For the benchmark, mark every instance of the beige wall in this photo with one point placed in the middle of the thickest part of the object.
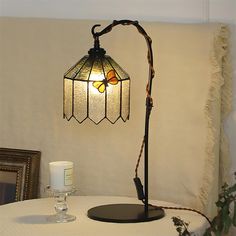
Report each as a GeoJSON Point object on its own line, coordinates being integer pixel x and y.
{"type": "Point", "coordinates": [35, 53]}
{"type": "Point", "coordinates": [149, 10]}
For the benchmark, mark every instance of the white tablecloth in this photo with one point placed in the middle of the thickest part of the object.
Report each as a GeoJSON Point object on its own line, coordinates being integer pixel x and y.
{"type": "Point", "coordinates": [28, 218]}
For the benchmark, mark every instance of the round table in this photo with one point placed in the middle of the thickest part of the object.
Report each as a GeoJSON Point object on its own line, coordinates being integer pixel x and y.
{"type": "Point", "coordinates": [29, 218]}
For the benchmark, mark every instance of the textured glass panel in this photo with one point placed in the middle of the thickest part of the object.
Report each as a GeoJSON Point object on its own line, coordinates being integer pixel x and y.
{"type": "Point", "coordinates": [74, 70]}
{"type": "Point", "coordinates": [97, 73]}
{"type": "Point", "coordinates": [125, 99]}
{"type": "Point", "coordinates": [113, 102]}
{"type": "Point", "coordinates": [96, 104]}
{"type": "Point", "coordinates": [80, 100]}
{"type": "Point", "coordinates": [85, 70]}
{"type": "Point", "coordinates": [107, 67]}
{"type": "Point", "coordinates": [68, 98]}
{"type": "Point", "coordinates": [121, 73]}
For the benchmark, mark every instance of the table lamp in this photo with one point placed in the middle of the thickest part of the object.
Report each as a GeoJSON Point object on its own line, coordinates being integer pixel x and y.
{"type": "Point", "coordinates": [97, 88]}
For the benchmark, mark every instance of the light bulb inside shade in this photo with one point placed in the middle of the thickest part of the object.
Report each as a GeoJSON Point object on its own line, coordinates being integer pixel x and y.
{"type": "Point", "coordinates": [95, 76]}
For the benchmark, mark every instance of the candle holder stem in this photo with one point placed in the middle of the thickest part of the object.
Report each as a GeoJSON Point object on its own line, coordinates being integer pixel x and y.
{"type": "Point", "coordinates": [61, 208]}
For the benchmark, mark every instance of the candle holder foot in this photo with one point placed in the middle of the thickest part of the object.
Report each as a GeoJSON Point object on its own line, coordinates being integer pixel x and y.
{"type": "Point", "coordinates": [61, 208]}
{"type": "Point", "coordinates": [58, 219]}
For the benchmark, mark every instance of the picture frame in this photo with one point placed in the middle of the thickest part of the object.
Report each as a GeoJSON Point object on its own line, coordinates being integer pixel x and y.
{"type": "Point", "coordinates": [19, 174]}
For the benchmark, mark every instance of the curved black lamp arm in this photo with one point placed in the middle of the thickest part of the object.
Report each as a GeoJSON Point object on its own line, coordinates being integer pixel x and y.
{"type": "Point", "coordinates": [149, 102]}
{"type": "Point", "coordinates": [141, 30]}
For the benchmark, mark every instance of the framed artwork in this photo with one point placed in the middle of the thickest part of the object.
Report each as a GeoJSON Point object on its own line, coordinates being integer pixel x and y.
{"type": "Point", "coordinates": [19, 174]}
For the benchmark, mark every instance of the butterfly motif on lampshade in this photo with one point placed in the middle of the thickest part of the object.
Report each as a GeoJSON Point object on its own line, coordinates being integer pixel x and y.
{"type": "Point", "coordinates": [110, 79]}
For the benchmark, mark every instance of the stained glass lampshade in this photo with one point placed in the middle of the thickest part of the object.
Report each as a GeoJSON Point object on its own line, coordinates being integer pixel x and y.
{"type": "Point", "coordinates": [97, 88]}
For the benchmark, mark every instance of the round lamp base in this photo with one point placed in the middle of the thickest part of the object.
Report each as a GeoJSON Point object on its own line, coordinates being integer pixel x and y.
{"type": "Point", "coordinates": [125, 213]}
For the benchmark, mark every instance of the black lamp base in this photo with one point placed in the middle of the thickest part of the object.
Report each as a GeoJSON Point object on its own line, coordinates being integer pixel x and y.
{"type": "Point", "coordinates": [125, 213]}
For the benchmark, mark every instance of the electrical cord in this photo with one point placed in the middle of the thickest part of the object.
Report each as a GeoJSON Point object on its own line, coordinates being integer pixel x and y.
{"type": "Point", "coordinates": [139, 158]}
{"type": "Point", "coordinates": [141, 196]}
{"type": "Point", "coordinates": [182, 209]}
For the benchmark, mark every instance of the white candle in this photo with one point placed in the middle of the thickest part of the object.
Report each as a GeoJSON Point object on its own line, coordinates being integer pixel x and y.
{"type": "Point", "coordinates": [61, 175]}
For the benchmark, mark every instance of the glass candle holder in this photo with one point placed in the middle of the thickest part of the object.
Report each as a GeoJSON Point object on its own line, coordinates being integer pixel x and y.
{"type": "Point", "coordinates": [61, 206]}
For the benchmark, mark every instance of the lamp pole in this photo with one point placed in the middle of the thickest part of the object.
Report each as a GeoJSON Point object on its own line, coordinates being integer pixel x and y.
{"type": "Point", "coordinates": [149, 102]}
